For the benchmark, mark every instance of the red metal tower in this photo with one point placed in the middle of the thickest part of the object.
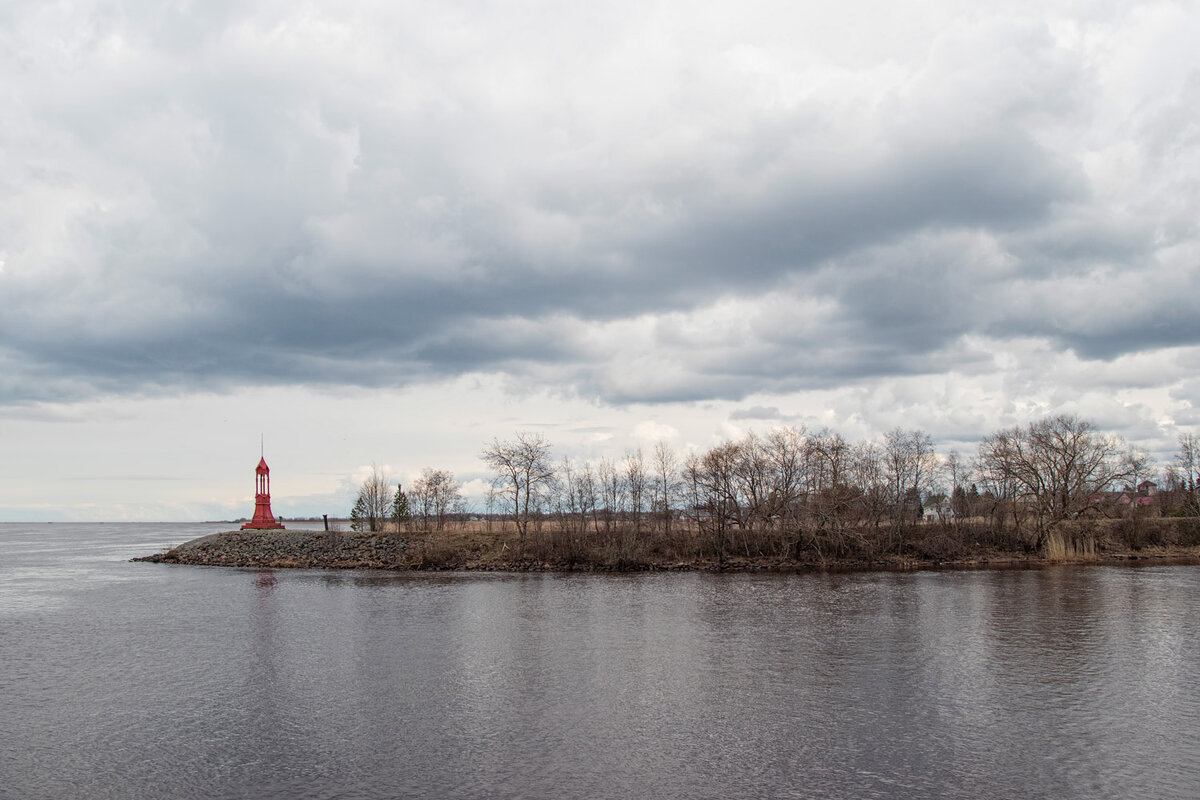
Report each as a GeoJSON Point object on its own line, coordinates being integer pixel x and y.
{"type": "Point", "coordinates": [263, 518]}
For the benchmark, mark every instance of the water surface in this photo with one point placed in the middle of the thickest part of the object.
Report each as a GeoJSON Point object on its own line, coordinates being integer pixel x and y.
{"type": "Point", "coordinates": [149, 680]}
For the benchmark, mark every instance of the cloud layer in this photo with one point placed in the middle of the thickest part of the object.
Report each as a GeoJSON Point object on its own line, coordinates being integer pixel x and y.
{"type": "Point", "coordinates": [646, 203]}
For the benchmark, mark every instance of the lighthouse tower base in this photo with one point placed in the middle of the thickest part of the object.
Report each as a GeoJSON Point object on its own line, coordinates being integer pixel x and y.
{"type": "Point", "coordinates": [263, 518]}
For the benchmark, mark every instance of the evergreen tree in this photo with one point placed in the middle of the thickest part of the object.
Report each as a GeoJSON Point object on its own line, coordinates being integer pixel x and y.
{"type": "Point", "coordinates": [400, 513]}
{"type": "Point", "coordinates": [958, 502]}
{"type": "Point", "coordinates": [358, 514]}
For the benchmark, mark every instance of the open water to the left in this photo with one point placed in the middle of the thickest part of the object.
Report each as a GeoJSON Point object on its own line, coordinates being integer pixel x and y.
{"type": "Point", "coordinates": [124, 680]}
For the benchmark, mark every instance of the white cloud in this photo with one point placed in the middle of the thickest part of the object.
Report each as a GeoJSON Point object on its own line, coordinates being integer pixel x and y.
{"type": "Point", "coordinates": [651, 432]}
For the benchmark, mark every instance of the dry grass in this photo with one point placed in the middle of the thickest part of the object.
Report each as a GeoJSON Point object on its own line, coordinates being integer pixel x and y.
{"type": "Point", "coordinates": [459, 545]}
{"type": "Point", "coordinates": [496, 544]}
{"type": "Point", "coordinates": [1059, 548]}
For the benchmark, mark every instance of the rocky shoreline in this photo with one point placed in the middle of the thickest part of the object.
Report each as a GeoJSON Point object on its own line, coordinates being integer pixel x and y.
{"type": "Point", "coordinates": [302, 549]}
{"type": "Point", "coordinates": [284, 549]}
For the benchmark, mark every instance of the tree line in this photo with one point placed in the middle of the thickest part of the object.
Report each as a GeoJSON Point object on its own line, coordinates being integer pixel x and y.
{"type": "Point", "coordinates": [431, 502]}
{"type": "Point", "coordinates": [791, 493]}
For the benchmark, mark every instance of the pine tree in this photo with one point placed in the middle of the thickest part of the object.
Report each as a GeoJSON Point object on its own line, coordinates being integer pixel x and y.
{"type": "Point", "coordinates": [400, 512]}
{"type": "Point", "coordinates": [358, 514]}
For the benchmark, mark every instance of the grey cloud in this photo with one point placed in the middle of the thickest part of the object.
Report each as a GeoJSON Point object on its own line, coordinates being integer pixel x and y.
{"type": "Point", "coordinates": [292, 216]}
{"type": "Point", "coordinates": [756, 413]}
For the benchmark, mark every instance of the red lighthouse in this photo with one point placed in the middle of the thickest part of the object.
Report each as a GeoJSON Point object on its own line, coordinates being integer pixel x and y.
{"type": "Point", "coordinates": [263, 518]}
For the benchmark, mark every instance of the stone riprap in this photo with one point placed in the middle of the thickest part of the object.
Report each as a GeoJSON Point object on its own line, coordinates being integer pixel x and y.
{"type": "Point", "coordinates": [284, 548]}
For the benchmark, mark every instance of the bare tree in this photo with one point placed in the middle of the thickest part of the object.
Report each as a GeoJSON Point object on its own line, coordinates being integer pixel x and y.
{"type": "Point", "coordinates": [490, 502]}
{"type": "Point", "coordinates": [785, 447]}
{"type": "Point", "coordinates": [996, 465]}
{"type": "Point", "coordinates": [637, 483]}
{"type": "Point", "coordinates": [374, 502]}
{"type": "Point", "coordinates": [566, 500]}
{"type": "Point", "coordinates": [575, 498]}
{"type": "Point", "coordinates": [612, 491]}
{"type": "Point", "coordinates": [666, 483]}
{"type": "Point", "coordinates": [831, 497]}
{"type": "Point", "coordinates": [910, 464]}
{"type": "Point", "coordinates": [1055, 467]}
{"type": "Point", "coordinates": [711, 481]}
{"type": "Point", "coordinates": [829, 460]}
{"type": "Point", "coordinates": [956, 471]}
{"type": "Point", "coordinates": [1187, 461]}
{"type": "Point", "coordinates": [1140, 465]}
{"type": "Point", "coordinates": [752, 480]}
{"type": "Point", "coordinates": [588, 491]}
{"type": "Point", "coordinates": [436, 496]}
{"type": "Point", "coordinates": [1067, 462]}
{"type": "Point", "coordinates": [523, 474]}
{"type": "Point", "coordinates": [866, 465]}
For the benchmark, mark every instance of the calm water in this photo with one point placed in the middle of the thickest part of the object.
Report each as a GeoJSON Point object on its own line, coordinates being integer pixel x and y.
{"type": "Point", "coordinates": [144, 680]}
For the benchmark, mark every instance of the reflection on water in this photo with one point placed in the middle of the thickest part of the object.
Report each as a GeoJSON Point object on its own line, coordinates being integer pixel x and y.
{"type": "Point", "coordinates": [130, 680]}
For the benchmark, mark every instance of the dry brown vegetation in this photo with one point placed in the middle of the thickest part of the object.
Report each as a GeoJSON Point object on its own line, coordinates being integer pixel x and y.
{"type": "Point", "coordinates": [496, 545]}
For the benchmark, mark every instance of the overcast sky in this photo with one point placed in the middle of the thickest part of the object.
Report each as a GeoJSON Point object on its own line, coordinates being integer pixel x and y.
{"type": "Point", "coordinates": [387, 232]}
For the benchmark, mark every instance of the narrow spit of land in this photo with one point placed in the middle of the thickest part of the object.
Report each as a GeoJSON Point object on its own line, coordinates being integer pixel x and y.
{"type": "Point", "coordinates": [467, 550]}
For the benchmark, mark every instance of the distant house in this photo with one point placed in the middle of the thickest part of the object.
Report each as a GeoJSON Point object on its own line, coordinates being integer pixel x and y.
{"type": "Point", "coordinates": [1142, 497]}
{"type": "Point", "coordinates": [939, 509]}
